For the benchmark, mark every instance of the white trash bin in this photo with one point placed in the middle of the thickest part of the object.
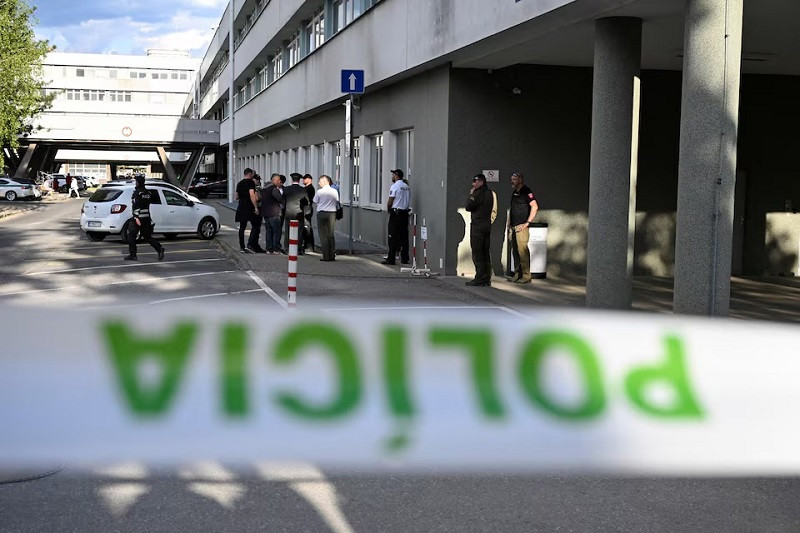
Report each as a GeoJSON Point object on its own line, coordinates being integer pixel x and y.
{"type": "Point", "coordinates": [537, 245]}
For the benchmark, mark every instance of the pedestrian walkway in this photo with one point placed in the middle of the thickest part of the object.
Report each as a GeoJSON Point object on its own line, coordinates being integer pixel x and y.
{"type": "Point", "coordinates": [760, 298]}
{"type": "Point", "coordinates": [765, 298]}
{"type": "Point", "coordinates": [365, 263]}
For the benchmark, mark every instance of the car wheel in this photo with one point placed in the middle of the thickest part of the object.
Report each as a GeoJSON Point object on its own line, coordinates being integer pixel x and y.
{"type": "Point", "coordinates": [170, 236]}
{"type": "Point", "coordinates": [11, 196]}
{"type": "Point", "coordinates": [95, 236]}
{"type": "Point", "coordinates": [207, 229]}
{"type": "Point", "coordinates": [124, 233]}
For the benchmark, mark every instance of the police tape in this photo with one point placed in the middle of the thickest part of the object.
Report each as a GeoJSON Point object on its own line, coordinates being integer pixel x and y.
{"type": "Point", "coordinates": [455, 391]}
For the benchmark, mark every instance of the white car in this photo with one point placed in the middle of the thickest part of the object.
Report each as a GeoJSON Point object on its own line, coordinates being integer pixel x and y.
{"type": "Point", "coordinates": [109, 212]}
{"type": "Point", "coordinates": [11, 189]}
{"type": "Point", "coordinates": [91, 181]}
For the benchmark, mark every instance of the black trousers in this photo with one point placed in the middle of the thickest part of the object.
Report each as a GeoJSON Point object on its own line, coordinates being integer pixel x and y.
{"type": "Point", "coordinates": [308, 231]}
{"type": "Point", "coordinates": [398, 235]}
{"type": "Point", "coordinates": [255, 230]}
{"type": "Point", "coordinates": [146, 229]}
{"type": "Point", "coordinates": [479, 241]}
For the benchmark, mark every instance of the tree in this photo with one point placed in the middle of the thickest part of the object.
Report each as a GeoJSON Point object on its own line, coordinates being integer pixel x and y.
{"type": "Point", "coordinates": [22, 94]}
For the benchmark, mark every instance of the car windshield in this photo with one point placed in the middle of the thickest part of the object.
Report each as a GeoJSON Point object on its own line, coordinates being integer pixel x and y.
{"type": "Point", "coordinates": [105, 195]}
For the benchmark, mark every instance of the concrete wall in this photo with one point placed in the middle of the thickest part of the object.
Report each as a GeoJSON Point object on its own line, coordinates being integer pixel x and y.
{"type": "Point", "coordinates": [544, 132]}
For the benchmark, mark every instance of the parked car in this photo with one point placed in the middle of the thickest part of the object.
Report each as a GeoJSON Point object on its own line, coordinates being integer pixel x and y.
{"type": "Point", "coordinates": [91, 181]}
{"type": "Point", "coordinates": [13, 189]}
{"type": "Point", "coordinates": [109, 212]}
{"type": "Point", "coordinates": [205, 185]}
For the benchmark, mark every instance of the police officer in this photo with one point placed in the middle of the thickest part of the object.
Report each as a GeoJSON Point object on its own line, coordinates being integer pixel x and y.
{"type": "Point", "coordinates": [142, 223]}
{"type": "Point", "coordinates": [480, 205]}
{"type": "Point", "coordinates": [399, 207]}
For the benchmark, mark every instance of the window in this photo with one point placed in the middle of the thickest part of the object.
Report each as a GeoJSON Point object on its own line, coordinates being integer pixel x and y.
{"type": "Point", "coordinates": [86, 96]}
{"type": "Point", "coordinates": [163, 75]}
{"type": "Point", "coordinates": [174, 76]}
{"type": "Point", "coordinates": [134, 74]}
{"type": "Point", "coordinates": [294, 50]}
{"type": "Point", "coordinates": [376, 170]}
{"type": "Point", "coordinates": [142, 75]}
{"type": "Point", "coordinates": [405, 152]}
{"type": "Point", "coordinates": [80, 73]}
{"type": "Point", "coordinates": [127, 96]}
{"type": "Point", "coordinates": [337, 161]}
{"type": "Point", "coordinates": [112, 74]}
{"type": "Point", "coordinates": [356, 170]}
{"type": "Point", "coordinates": [316, 31]}
{"type": "Point", "coordinates": [344, 11]}
{"type": "Point", "coordinates": [184, 76]}
{"type": "Point", "coordinates": [277, 65]}
{"type": "Point", "coordinates": [175, 199]}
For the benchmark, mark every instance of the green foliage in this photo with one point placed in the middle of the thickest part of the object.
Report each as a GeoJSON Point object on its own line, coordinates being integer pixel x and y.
{"type": "Point", "coordinates": [22, 95]}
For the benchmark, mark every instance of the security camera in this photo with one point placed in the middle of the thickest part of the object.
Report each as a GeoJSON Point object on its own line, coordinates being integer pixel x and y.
{"type": "Point", "coordinates": [262, 136]}
{"type": "Point", "coordinates": [294, 126]}
{"type": "Point", "coordinates": [516, 90]}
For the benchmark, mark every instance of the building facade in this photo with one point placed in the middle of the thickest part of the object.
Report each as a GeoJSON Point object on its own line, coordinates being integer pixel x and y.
{"type": "Point", "coordinates": [107, 97]}
{"type": "Point", "coordinates": [657, 134]}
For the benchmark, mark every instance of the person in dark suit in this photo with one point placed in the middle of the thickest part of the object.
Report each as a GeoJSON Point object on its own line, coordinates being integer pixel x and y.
{"type": "Point", "coordinates": [296, 198]}
{"type": "Point", "coordinates": [308, 237]}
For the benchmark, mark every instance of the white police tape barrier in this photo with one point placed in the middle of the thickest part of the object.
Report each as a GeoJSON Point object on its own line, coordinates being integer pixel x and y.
{"type": "Point", "coordinates": [618, 393]}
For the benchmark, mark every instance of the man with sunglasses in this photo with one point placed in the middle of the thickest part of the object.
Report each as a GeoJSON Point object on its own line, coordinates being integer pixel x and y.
{"type": "Point", "coordinates": [480, 205]}
{"type": "Point", "coordinates": [523, 211]}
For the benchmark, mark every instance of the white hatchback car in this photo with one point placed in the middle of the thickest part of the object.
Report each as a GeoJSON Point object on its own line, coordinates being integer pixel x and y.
{"type": "Point", "coordinates": [109, 212]}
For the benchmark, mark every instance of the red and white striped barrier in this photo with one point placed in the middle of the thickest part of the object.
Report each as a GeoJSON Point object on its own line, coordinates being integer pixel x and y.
{"type": "Point", "coordinates": [294, 230]}
{"type": "Point", "coordinates": [414, 271]}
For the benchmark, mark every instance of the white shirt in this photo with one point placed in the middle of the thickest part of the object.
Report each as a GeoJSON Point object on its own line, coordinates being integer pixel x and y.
{"type": "Point", "coordinates": [401, 194]}
{"type": "Point", "coordinates": [327, 199]}
{"type": "Point", "coordinates": [74, 184]}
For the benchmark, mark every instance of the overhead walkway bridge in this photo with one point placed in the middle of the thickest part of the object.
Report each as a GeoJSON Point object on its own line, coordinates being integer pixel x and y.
{"type": "Point", "coordinates": [116, 134]}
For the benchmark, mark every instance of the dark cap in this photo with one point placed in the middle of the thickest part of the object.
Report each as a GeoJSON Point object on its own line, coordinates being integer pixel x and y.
{"type": "Point", "coordinates": [399, 173]}
{"type": "Point", "coordinates": [296, 176]}
{"type": "Point", "coordinates": [139, 180]}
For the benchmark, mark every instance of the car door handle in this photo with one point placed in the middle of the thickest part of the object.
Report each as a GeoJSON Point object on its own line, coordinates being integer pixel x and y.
{"type": "Point", "coordinates": [171, 210]}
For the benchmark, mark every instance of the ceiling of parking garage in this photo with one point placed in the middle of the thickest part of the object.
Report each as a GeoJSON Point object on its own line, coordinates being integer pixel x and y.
{"type": "Point", "coordinates": [771, 30]}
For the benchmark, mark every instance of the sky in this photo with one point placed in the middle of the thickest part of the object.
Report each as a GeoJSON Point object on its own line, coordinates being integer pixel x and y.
{"type": "Point", "coordinates": [128, 26]}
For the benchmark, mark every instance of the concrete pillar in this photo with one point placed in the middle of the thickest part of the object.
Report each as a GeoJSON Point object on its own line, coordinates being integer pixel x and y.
{"type": "Point", "coordinates": [707, 168]}
{"type": "Point", "coordinates": [614, 153]}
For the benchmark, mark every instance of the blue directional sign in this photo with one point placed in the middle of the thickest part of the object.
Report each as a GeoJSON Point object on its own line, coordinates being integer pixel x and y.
{"type": "Point", "coordinates": [353, 81]}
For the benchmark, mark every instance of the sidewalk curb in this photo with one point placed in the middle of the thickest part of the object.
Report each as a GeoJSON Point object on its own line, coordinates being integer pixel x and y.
{"type": "Point", "coordinates": [378, 249]}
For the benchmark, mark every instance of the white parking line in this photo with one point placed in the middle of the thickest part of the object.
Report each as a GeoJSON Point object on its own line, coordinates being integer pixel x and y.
{"type": "Point", "coordinates": [127, 282]}
{"type": "Point", "coordinates": [266, 289]}
{"type": "Point", "coordinates": [199, 296]}
{"type": "Point", "coordinates": [131, 265]}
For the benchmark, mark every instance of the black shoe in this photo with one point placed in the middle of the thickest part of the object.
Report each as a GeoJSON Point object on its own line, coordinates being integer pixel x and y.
{"type": "Point", "coordinates": [476, 283]}
{"type": "Point", "coordinates": [387, 262]}
{"type": "Point", "coordinates": [161, 254]}
{"type": "Point", "coordinates": [245, 251]}
{"type": "Point", "coordinates": [259, 250]}
{"type": "Point", "coordinates": [131, 258]}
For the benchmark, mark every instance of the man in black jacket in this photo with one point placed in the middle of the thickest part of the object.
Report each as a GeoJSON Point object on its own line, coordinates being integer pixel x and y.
{"type": "Point", "coordinates": [296, 198]}
{"type": "Point", "coordinates": [272, 205]}
{"type": "Point", "coordinates": [480, 205]}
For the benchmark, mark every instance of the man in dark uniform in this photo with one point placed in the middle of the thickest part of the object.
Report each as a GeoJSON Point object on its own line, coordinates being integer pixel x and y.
{"type": "Point", "coordinates": [480, 206]}
{"type": "Point", "coordinates": [142, 223]}
{"type": "Point", "coordinates": [308, 212]}
{"type": "Point", "coordinates": [296, 198]}
{"type": "Point", "coordinates": [248, 211]}
{"type": "Point", "coordinates": [523, 211]}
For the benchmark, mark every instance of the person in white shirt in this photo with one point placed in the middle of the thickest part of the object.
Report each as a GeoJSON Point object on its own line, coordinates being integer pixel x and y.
{"type": "Point", "coordinates": [327, 203]}
{"type": "Point", "coordinates": [399, 207]}
{"type": "Point", "coordinates": [73, 188]}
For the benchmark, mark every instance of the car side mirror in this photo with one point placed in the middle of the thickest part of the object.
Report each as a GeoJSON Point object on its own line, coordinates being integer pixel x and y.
{"type": "Point", "coordinates": [190, 203]}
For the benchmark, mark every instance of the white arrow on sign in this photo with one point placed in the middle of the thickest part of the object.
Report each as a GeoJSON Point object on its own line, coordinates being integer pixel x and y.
{"type": "Point", "coordinates": [353, 82]}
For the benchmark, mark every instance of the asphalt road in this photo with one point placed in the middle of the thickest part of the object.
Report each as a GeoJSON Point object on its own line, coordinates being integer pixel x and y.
{"type": "Point", "coordinates": [46, 261]}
